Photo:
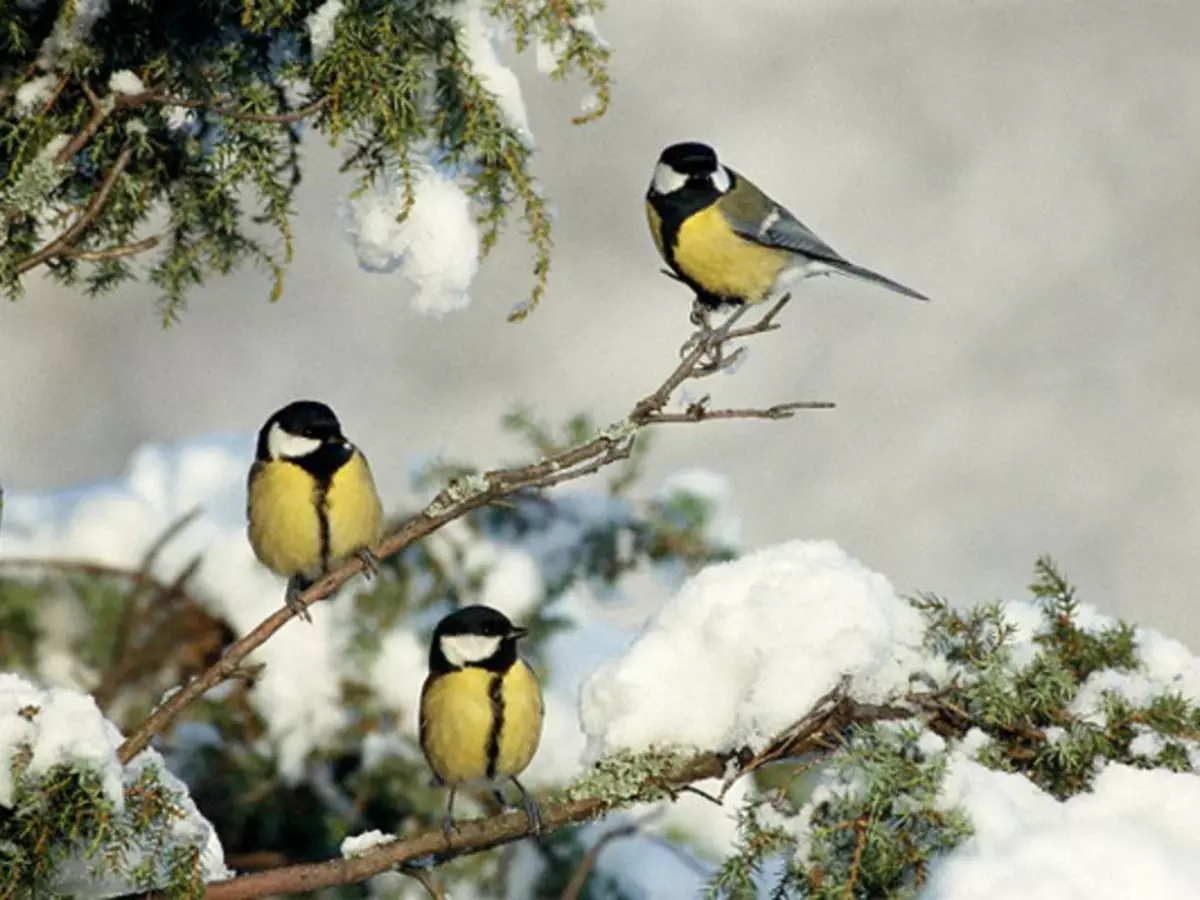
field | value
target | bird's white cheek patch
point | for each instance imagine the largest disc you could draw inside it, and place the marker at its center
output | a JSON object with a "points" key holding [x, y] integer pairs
{"points": [[283, 444], [721, 180], [464, 649], [667, 180]]}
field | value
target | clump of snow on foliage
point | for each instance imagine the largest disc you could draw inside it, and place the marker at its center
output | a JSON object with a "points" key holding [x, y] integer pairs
{"points": [[478, 38], [436, 245], [1135, 834], [61, 727], [746, 648], [321, 25]]}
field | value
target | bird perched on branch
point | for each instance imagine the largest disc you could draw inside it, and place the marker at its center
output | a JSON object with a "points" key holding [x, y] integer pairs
{"points": [[481, 707], [311, 500], [730, 242]]}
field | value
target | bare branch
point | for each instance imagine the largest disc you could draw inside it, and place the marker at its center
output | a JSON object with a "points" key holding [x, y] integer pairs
{"points": [[697, 412], [434, 845], [459, 498], [221, 109], [835, 713], [72, 234], [118, 252], [99, 113]]}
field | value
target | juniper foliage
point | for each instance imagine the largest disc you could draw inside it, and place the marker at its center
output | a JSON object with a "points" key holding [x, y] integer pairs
{"points": [[863, 819], [196, 168]]}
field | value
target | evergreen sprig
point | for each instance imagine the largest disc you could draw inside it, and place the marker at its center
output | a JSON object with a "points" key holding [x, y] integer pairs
{"points": [[66, 815], [864, 820], [205, 156]]}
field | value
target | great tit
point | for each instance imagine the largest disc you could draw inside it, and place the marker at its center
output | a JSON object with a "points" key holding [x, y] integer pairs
{"points": [[481, 707], [730, 242], [311, 500]]}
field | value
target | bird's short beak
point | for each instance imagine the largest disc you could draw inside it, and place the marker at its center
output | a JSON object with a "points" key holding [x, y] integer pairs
{"points": [[518, 633]]}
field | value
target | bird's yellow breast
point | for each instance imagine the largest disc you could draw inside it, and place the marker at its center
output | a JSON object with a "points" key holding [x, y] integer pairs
{"points": [[285, 526], [723, 263], [478, 725], [296, 528], [353, 509]]}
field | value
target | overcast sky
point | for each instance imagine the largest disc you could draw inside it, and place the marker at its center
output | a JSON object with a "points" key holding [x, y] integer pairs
{"points": [[1029, 164]]}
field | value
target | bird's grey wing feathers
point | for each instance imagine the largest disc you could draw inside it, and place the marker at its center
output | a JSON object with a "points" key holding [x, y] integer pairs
{"points": [[849, 268], [757, 217]]}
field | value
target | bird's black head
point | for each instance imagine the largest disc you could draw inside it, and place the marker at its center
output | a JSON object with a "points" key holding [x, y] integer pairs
{"points": [[475, 635], [691, 158], [692, 166], [298, 430]]}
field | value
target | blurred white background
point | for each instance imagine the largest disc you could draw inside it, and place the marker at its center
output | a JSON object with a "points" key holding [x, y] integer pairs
{"points": [[1030, 164]]}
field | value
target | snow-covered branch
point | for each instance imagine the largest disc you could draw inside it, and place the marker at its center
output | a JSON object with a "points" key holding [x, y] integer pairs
{"points": [[613, 784]]}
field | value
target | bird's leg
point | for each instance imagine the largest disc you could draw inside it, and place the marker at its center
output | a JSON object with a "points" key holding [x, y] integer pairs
{"points": [[448, 823], [296, 586], [531, 808], [699, 317], [369, 560]]}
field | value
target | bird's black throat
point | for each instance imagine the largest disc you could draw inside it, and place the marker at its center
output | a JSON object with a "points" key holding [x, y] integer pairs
{"points": [[323, 462], [676, 208]]}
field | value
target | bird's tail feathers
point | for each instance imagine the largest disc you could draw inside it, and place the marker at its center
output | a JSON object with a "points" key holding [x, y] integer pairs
{"points": [[849, 268]]}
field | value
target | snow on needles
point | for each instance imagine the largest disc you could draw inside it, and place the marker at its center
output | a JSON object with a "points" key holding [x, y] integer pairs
{"points": [[746, 648], [479, 31], [64, 727], [436, 246], [321, 25], [125, 82], [1135, 834]]}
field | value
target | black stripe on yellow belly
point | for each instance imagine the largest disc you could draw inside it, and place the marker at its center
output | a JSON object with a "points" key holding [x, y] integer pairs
{"points": [[478, 725], [301, 524], [496, 696]]}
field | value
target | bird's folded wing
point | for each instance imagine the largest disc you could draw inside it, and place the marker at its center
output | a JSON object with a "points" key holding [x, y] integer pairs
{"points": [[755, 216]]}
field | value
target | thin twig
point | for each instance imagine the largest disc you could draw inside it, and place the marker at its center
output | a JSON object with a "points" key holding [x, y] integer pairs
{"points": [[425, 878], [72, 234], [221, 109], [860, 843], [77, 567], [100, 112], [698, 413], [692, 789], [679, 853], [118, 252], [587, 864], [455, 501]]}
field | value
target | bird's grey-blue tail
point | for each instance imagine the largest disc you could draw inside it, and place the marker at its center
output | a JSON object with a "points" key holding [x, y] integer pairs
{"points": [[849, 268]]}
